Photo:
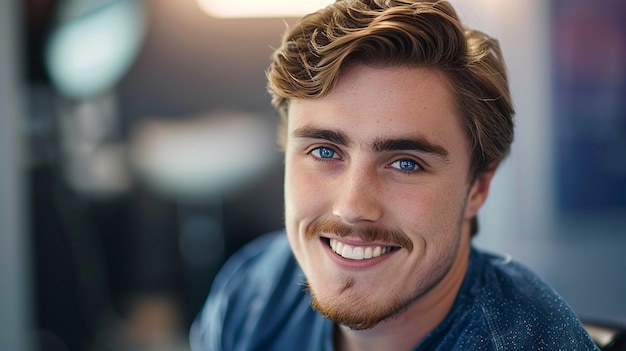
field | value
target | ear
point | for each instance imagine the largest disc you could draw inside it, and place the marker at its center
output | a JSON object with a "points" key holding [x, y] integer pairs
{"points": [[478, 192]]}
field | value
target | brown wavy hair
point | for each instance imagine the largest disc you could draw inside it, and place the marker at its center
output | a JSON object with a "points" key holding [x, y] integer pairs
{"points": [[314, 53]]}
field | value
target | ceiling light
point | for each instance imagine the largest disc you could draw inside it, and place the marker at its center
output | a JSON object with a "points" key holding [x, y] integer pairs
{"points": [[93, 45], [260, 8]]}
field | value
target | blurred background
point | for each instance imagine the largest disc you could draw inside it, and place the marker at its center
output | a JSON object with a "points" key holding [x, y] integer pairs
{"points": [[137, 153]]}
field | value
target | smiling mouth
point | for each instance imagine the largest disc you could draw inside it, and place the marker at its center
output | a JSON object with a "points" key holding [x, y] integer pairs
{"points": [[358, 252]]}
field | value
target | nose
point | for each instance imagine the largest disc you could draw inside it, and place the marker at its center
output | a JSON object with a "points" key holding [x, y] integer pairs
{"points": [[357, 197]]}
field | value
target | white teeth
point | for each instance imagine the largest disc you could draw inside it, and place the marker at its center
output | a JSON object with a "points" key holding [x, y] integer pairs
{"points": [[357, 252], [368, 253], [377, 252], [346, 252]]}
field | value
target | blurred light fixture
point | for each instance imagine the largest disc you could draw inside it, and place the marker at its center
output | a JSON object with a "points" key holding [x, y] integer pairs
{"points": [[261, 8], [93, 44], [204, 156]]}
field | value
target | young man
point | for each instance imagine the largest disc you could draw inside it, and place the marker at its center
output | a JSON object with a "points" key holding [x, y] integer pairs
{"points": [[395, 118]]}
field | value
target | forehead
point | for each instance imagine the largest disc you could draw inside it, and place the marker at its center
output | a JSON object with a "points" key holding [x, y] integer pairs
{"points": [[374, 102]]}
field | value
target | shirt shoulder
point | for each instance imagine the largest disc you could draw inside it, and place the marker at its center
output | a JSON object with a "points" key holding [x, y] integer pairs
{"points": [[522, 311], [502, 305], [256, 294]]}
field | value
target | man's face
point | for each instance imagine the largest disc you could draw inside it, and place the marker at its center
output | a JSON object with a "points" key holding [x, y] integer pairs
{"points": [[377, 193]]}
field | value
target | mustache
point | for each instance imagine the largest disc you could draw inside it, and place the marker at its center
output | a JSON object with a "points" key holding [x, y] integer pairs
{"points": [[366, 233]]}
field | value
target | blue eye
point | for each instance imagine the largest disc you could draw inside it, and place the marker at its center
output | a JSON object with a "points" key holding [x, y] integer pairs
{"points": [[405, 165], [323, 152]]}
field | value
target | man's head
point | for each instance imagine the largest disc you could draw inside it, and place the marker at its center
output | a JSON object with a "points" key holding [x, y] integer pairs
{"points": [[315, 53], [395, 117]]}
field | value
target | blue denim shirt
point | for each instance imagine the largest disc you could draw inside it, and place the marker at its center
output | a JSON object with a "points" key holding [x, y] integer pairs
{"points": [[257, 302]]}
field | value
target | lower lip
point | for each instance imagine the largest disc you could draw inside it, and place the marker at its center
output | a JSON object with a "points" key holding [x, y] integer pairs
{"points": [[355, 264]]}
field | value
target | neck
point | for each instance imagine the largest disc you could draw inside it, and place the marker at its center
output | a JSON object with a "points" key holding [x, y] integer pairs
{"points": [[407, 330]]}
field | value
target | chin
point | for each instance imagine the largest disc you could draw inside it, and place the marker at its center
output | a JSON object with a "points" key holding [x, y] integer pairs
{"points": [[351, 309]]}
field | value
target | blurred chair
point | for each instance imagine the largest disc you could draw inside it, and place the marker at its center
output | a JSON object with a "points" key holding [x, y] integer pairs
{"points": [[608, 336]]}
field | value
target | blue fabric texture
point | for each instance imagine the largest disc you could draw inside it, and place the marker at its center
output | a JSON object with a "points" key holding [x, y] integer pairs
{"points": [[258, 302]]}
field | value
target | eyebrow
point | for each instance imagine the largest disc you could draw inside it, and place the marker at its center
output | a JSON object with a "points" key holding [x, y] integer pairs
{"points": [[418, 144], [325, 134], [411, 144]]}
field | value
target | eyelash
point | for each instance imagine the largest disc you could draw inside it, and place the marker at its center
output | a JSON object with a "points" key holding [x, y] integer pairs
{"points": [[418, 165]]}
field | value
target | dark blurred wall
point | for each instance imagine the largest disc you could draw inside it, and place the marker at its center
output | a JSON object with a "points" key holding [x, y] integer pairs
{"points": [[15, 283]]}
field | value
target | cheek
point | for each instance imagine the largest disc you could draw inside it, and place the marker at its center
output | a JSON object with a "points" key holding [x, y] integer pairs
{"points": [[433, 213], [304, 195], [304, 202]]}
